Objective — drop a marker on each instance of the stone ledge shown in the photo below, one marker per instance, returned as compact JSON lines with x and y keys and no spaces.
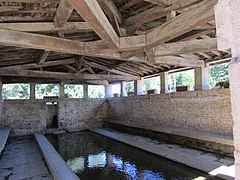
{"x":193,"y":158}
{"x":226,"y":140}
{"x":55,"y":163}
{"x":4,"y":133}
{"x":185,"y":94}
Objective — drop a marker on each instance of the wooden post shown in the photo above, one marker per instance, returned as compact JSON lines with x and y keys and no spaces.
{"x":228,"y":33}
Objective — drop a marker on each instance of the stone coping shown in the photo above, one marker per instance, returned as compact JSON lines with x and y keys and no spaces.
{"x":4,"y":133}
{"x":185,"y":94}
{"x":206,"y":136}
{"x":57,"y":166}
{"x":55,"y":100}
{"x":206,"y":162}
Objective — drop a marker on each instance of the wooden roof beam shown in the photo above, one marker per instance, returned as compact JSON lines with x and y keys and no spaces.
{"x":197,"y":15}
{"x":193,"y":46}
{"x":179,"y":61}
{"x":92,"y":13}
{"x":63,"y":12}
{"x":45,"y":64}
{"x":113,"y":13}
{"x":46,"y":27}
{"x":62,"y":76}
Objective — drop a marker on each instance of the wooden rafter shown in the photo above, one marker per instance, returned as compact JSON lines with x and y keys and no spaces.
{"x":92,"y":13}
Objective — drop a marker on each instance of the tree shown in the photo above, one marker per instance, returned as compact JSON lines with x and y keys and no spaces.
{"x":218,"y":73}
{"x":16,"y":91}
{"x":96,"y":91}
{"x":73,"y":91}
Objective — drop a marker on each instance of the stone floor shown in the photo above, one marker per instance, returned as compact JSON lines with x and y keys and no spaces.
{"x":22,"y":159}
{"x":218,"y":166}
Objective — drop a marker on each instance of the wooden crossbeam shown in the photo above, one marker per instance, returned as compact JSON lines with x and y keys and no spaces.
{"x":49,"y":43}
{"x":155,"y":13}
{"x":99,"y":66}
{"x":62,"y":76}
{"x":160,"y":2}
{"x":63,"y":12}
{"x":113,"y":13}
{"x":92,"y":13}
{"x":46,"y":27}
{"x":129,"y":4}
{"x":43,"y":57}
{"x":46,"y":64}
{"x":197,"y":15}
{"x":194,"y":46}
{"x":179,"y":61}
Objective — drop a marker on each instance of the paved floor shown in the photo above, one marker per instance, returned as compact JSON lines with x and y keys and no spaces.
{"x":208,"y":162}
{"x":22,"y":159}
{"x":4,"y":132}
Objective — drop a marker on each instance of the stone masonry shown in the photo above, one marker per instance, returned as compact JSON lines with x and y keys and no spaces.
{"x":81,"y":113}
{"x":205,"y":111}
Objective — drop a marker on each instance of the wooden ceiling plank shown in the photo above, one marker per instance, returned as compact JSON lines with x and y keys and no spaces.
{"x":92,"y":13}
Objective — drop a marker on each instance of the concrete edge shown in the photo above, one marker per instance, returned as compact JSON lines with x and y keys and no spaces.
{"x":210,"y":137}
{"x":4,"y":133}
{"x":187,"y":161}
{"x":57,"y":166}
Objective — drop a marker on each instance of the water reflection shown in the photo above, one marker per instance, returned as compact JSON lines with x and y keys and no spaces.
{"x":95,"y":157}
{"x":99,"y":160}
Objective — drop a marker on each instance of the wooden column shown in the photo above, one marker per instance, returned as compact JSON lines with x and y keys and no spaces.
{"x":228,"y":33}
{"x":32,"y":90}
{"x":85,"y":91}
{"x":201,"y":78}
{"x":164,"y":82}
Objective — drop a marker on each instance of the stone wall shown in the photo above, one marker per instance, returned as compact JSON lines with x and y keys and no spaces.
{"x":81,"y":113}
{"x":24,"y":116}
{"x":29,"y":116}
{"x":205,"y":111}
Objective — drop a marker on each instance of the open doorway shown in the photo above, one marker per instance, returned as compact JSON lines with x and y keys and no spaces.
{"x":52,"y":115}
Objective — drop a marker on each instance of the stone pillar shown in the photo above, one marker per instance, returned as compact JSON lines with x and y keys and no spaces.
{"x":85,"y":91}
{"x":201,"y":75}
{"x":32,"y":90}
{"x":139,"y":87}
{"x":1,"y":101}
{"x":164,"y":82}
{"x":108,"y":91}
{"x":228,"y":34}
{"x":61,"y":91}
{"x":123,"y":89}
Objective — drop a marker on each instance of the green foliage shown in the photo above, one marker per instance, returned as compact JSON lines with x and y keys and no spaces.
{"x":73,"y":91}
{"x":46,"y":90}
{"x":16,"y":91}
{"x":95,"y":91}
{"x":184,"y":78}
{"x":152,"y":83}
{"x":130,"y":86}
{"x":218,"y":73}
